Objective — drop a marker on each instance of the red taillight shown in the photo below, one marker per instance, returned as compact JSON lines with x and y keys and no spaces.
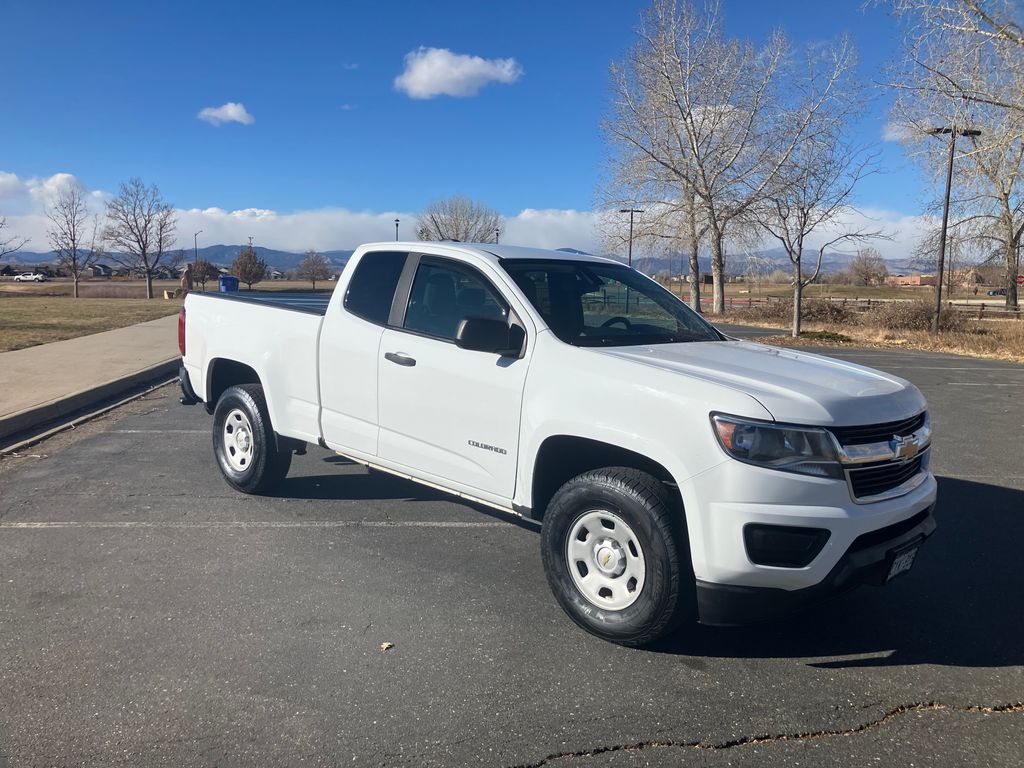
{"x":181,"y":331}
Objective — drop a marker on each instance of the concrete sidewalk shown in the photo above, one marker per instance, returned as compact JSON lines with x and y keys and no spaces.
{"x":44,"y":383}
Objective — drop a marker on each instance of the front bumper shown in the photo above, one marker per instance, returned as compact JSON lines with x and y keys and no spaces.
{"x":867,"y":561}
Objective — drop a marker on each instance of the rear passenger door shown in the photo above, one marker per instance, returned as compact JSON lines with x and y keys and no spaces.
{"x":445,"y":412}
{"x":349,"y":345}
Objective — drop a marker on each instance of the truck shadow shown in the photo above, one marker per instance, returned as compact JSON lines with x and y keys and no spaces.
{"x":960,"y":606}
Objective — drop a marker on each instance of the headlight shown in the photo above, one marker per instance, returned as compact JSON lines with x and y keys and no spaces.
{"x":805,"y":450}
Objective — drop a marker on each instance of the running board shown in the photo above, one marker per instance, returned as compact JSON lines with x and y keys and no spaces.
{"x":435,"y":486}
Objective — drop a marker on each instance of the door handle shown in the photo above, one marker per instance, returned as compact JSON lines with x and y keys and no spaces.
{"x":400,"y":357}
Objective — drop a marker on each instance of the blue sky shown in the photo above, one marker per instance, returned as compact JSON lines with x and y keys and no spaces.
{"x":105,"y":91}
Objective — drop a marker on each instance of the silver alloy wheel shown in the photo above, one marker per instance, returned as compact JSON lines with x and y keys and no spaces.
{"x":605,"y":560}
{"x":237,"y":437}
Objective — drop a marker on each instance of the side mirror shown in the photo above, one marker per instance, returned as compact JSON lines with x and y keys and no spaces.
{"x":487,"y":334}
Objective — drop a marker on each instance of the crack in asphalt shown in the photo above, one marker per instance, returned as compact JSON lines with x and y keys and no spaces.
{"x":929,"y":706}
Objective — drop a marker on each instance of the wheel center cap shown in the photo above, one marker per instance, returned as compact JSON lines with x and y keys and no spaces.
{"x":242,"y":439}
{"x":608,"y":558}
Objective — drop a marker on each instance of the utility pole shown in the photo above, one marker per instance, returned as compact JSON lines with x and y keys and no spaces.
{"x":953,"y":132}
{"x":396,"y":229}
{"x":630,"y":211}
{"x":195,"y":247}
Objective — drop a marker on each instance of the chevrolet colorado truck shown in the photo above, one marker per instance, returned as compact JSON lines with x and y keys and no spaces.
{"x":677,"y":474}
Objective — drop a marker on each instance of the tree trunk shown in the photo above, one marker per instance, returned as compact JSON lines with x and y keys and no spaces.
{"x":694,"y":281}
{"x":718,"y":273}
{"x":1012,"y":267}
{"x":76,"y":285}
{"x":694,"y":259}
{"x":798,"y":295}
{"x":149,"y":284}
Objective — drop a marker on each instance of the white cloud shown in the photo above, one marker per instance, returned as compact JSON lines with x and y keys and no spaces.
{"x":906,"y":231}
{"x":232,"y":112}
{"x":893,"y":131}
{"x":431,"y":72}
{"x":23,"y":202}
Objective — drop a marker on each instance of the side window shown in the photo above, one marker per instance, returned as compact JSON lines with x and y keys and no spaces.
{"x":442,"y":296}
{"x":372,"y":288}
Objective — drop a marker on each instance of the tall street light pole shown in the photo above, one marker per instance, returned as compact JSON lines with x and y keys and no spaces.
{"x":630,"y":211}
{"x":953,"y":132}
{"x":497,"y":231}
{"x":396,"y":229}
{"x":195,"y":246}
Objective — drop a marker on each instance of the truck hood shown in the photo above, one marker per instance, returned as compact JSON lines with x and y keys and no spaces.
{"x":795,"y":387}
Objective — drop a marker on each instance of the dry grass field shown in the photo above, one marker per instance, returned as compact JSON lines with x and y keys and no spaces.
{"x":995,"y":339}
{"x":29,"y":320}
{"x":38,"y":313}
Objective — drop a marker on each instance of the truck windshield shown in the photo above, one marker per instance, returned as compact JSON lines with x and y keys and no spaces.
{"x":592,"y":304}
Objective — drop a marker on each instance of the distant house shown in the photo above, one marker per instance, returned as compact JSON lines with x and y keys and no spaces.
{"x":276,"y":274}
{"x":910,"y":280}
{"x":8,"y":271}
{"x":99,"y":270}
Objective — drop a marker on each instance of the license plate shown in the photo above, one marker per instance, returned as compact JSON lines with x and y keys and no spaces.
{"x":902,"y":563}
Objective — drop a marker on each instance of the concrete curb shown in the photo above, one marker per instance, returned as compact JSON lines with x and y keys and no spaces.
{"x":62,"y":408}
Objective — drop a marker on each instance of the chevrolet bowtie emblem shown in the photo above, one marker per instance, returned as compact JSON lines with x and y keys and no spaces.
{"x":904,"y":447}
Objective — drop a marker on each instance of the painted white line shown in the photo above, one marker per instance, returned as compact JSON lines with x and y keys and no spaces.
{"x":231,"y":524}
{"x":982,"y":384}
{"x":158,"y":432}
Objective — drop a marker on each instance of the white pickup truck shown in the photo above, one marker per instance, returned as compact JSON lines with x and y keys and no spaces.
{"x":677,"y":474}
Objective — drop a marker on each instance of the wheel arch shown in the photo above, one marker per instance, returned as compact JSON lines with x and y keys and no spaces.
{"x":222,"y":373}
{"x":562,"y":457}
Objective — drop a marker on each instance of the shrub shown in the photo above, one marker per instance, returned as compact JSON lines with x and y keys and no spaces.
{"x":812,"y":310}
{"x":824,"y":311}
{"x":913,"y":316}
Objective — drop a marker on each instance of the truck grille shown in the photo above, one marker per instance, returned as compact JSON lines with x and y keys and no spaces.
{"x":880,"y":478}
{"x":878,"y":433}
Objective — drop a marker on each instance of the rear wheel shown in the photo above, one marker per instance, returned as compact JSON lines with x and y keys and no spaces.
{"x":244,"y":442}
{"x":616,"y":557}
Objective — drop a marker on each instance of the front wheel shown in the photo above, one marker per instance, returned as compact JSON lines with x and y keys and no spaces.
{"x":616,"y":558}
{"x":244,"y":442}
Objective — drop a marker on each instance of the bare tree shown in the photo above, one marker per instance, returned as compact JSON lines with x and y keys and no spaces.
{"x":942,"y":35}
{"x":459,"y":218}
{"x":141,"y":225}
{"x":203,"y":271}
{"x":11,"y":244}
{"x":814,"y":188}
{"x":868,"y":267}
{"x":697,"y":113}
{"x":313,"y":267}
{"x":248,"y":267}
{"x":67,"y":233}
{"x":965,"y":69}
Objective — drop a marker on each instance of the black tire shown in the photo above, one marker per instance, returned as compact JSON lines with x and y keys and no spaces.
{"x":667,"y":596}
{"x":266,"y":467}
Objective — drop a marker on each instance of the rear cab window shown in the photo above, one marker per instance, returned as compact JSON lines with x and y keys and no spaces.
{"x":371,"y":290}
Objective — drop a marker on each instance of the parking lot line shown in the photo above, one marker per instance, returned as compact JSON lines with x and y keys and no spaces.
{"x":252,"y":524}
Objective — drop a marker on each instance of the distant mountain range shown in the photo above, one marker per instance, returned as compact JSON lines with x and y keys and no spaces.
{"x":768,"y":260}
{"x":221,"y":255}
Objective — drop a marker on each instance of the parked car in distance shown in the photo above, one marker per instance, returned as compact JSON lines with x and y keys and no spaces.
{"x":997,"y":292}
{"x":30,"y":277}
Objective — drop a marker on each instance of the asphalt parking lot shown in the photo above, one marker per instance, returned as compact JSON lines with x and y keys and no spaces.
{"x":149,"y":615}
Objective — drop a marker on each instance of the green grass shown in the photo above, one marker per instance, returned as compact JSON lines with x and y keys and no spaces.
{"x":26,"y":321}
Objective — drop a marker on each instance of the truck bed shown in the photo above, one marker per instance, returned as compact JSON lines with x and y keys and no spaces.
{"x":312,"y":303}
